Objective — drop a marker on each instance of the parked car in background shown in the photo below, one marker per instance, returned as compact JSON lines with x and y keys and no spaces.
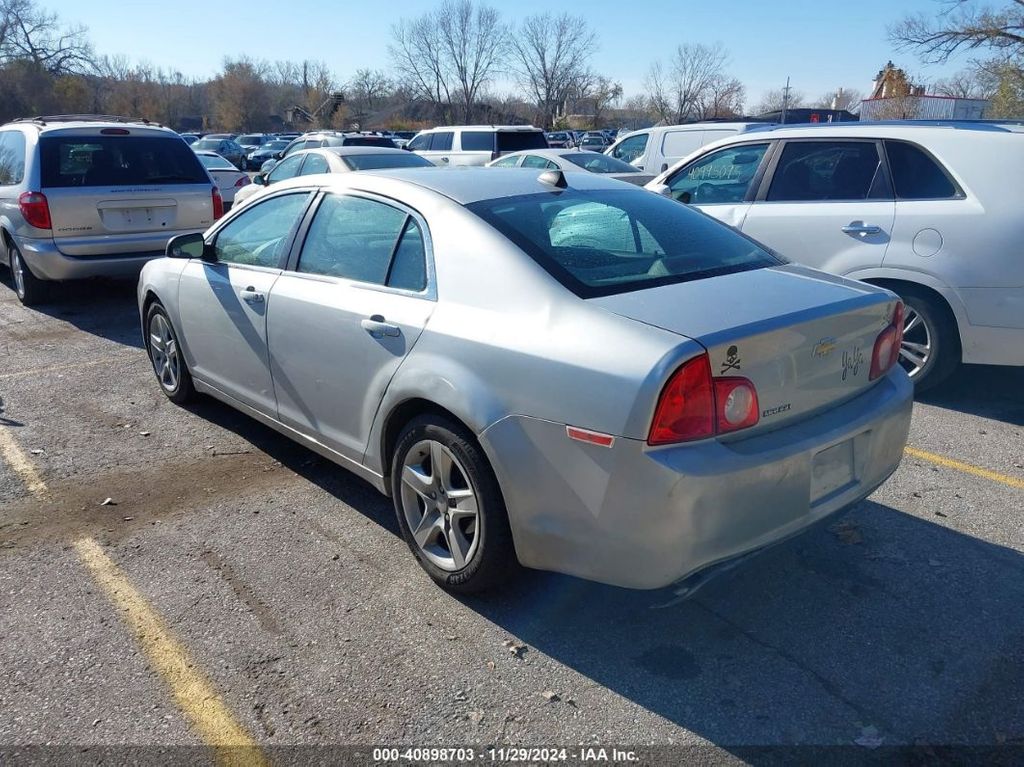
{"x":594,"y":141}
{"x":226,"y":148}
{"x":573,"y":160}
{"x":189,"y":138}
{"x":560,"y":140}
{"x":514,"y":358}
{"x":475,"y":144}
{"x":654,"y":150}
{"x":930,"y":212}
{"x":250,"y":142}
{"x":332,"y":160}
{"x":402,"y":137}
{"x":272,"y":150}
{"x":227,"y":136}
{"x":86,"y":196}
{"x":227,"y":177}
{"x":330,"y":138}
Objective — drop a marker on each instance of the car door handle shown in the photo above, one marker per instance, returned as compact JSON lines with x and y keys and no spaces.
{"x":378,"y":328}
{"x":251,"y":296}
{"x":444,"y":159}
{"x":859,"y":227}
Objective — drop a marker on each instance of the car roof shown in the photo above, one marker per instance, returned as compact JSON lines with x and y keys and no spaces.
{"x":907,"y":129}
{"x":343,"y":151}
{"x":464,"y":185}
{"x":482,"y":128}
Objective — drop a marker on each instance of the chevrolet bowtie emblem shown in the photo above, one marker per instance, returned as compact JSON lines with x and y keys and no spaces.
{"x":824,"y":347}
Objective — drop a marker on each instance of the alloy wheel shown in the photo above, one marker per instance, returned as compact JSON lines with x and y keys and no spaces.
{"x":916,"y":350}
{"x":440,"y":505}
{"x":163,"y":349}
{"x":18,"y":269}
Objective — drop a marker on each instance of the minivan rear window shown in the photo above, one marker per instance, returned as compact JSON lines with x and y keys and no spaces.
{"x":477,"y":141}
{"x":601,"y":242}
{"x":117,"y":161}
{"x":517,"y":141}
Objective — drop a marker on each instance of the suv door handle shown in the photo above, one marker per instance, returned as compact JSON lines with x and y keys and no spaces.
{"x":859,"y":227}
{"x":250,"y":296}
{"x":444,"y":159}
{"x":378,"y":328}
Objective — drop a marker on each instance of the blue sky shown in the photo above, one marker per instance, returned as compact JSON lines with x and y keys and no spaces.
{"x":821,"y":44}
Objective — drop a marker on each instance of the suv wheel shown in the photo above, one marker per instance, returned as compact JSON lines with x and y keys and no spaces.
{"x":931,"y":344}
{"x":30,"y":289}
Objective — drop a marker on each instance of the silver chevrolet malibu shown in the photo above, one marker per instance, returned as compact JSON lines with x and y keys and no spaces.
{"x":556,"y":370}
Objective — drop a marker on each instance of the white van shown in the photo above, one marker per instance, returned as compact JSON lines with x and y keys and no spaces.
{"x":656,"y":149}
{"x":475,"y":144}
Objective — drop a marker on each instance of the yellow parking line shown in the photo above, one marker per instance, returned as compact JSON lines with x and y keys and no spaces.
{"x":20,"y":463}
{"x":967,"y":468}
{"x":194,"y":694}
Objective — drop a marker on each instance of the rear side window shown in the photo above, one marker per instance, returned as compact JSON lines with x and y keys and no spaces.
{"x":117,"y":161}
{"x":916,"y":176}
{"x":12,"y":157}
{"x":602,"y":242}
{"x":477,"y":141}
{"x":441,"y":142}
{"x":315,"y":163}
{"x":630,"y":148}
{"x":517,"y":141}
{"x":815,"y":171}
{"x":366,"y":241}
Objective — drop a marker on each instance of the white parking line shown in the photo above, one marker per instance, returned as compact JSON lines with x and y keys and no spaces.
{"x":16,"y":458}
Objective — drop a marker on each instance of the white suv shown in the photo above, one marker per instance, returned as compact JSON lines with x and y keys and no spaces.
{"x":475,"y":144}
{"x":85,"y":196}
{"x":932,"y":212}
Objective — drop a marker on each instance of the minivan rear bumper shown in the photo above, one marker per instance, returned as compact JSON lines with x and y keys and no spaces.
{"x":46,"y":261}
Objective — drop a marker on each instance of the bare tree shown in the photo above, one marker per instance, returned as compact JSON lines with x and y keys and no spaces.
{"x":965,"y":84}
{"x":241,"y":95}
{"x":774,"y":100}
{"x":842,"y":98}
{"x":963,"y":25}
{"x":694,"y":84}
{"x":598,"y":91}
{"x":29,"y":33}
{"x":368,"y":87}
{"x":549,"y":55}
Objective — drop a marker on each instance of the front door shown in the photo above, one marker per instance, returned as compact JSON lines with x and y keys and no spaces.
{"x":828,"y":205}
{"x":223,"y":303}
{"x":345,"y":316}
{"x":721,"y":183}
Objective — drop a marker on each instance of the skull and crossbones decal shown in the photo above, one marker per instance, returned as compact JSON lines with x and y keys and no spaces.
{"x":732,"y":360}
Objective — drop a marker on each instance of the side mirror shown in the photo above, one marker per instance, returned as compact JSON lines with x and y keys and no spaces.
{"x":663,"y":189}
{"x":189,"y":245}
{"x":259,"y":179}
{"x":278,"y":155}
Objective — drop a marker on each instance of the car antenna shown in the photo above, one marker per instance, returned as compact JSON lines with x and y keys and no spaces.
{"x":554,"y":178}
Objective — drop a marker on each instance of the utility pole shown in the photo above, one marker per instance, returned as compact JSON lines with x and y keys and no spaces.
{"x":785,"y":101}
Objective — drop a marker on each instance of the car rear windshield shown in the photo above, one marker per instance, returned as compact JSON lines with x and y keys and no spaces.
{"x":372,"y":161}
{"x":597,"y":243}
{"x":598,"y":163}
{"x":381,"y":141}
{"x":118,"y":160}
{"x":517,"y":141}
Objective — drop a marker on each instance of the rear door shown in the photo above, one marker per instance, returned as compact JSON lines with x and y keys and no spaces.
{"x":346,"y":314}
{"x":475,"y":147}
{"x":826,"y":203}
{"x":722,"y":183}
{"x":122,"y":190}
{"x":437,"y":147}
{"x":223,"y":304}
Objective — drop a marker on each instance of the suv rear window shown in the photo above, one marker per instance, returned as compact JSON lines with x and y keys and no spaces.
{"x":917,"y":176}
{"x":598,"y":243}
{"x":118,"y":160}
{"x":477,"y":141}
{"x":517,"y":141}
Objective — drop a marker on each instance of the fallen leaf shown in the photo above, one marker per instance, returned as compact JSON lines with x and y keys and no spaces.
{"x":869,"y":738}
{"x":551,"y":697}
{"x":144,"y":433}
{"x":476,"y":716}
{"x":451,"y":638}
{"x":847,"y":532}
{"x":37,"y":451}
{"x":515,"y":648}
{"x":490,"y":665}
{"x":108,"y":502}
{"x":128,"y":519}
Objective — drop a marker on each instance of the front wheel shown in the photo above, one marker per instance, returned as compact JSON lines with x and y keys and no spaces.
{"x":165,"y":354}
{"x":450,"y":508}
{"x":30,"y":289}
{"x":931,"y":344}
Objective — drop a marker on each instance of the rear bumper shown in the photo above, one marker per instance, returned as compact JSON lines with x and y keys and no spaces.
{"x":47,"y":262}
{"x":645,"y":518}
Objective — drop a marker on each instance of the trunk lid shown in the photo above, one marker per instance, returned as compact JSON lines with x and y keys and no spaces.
{"x":804,"y":338}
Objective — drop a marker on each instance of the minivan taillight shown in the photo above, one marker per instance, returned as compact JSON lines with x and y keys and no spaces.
{"x":218,"y":204}
{"x":887,"y":345}
{"x":693,"y":405}
{"x":35,"y":209}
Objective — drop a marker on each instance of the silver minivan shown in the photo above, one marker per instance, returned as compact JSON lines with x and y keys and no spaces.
{"x":84,"y":196}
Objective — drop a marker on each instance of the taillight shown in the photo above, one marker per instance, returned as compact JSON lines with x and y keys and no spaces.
{"x":242,"y":181}
{"x":218,"y":204}
{"x":686,"y":409}
{"x":736,"y":401}
{"x":887,"y":345}
{"x":693,"y":405}
{"x":35,"y":209}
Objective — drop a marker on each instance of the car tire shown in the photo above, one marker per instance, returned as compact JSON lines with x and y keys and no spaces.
{"x":458,"y":505}
{"x":930,"y":333}
{"x":166,"y":357}
{"x":30,"y":290}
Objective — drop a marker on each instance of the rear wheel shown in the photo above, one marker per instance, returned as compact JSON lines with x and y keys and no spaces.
{"x":450,"y":508}
{"x":30,"y":289}
{"x":931,"y":344}
{"x":165,"y":354}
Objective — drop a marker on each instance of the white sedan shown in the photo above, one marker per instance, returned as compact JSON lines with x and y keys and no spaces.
{"x":573,"y":159}
{"x":226,"y":176}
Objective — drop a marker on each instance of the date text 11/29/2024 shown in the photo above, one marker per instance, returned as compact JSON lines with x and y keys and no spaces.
{"x":504,"y":754}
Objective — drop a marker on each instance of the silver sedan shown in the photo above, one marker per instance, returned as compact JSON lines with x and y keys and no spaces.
{"x":574,"y":160}
{"x":555,"y":370}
